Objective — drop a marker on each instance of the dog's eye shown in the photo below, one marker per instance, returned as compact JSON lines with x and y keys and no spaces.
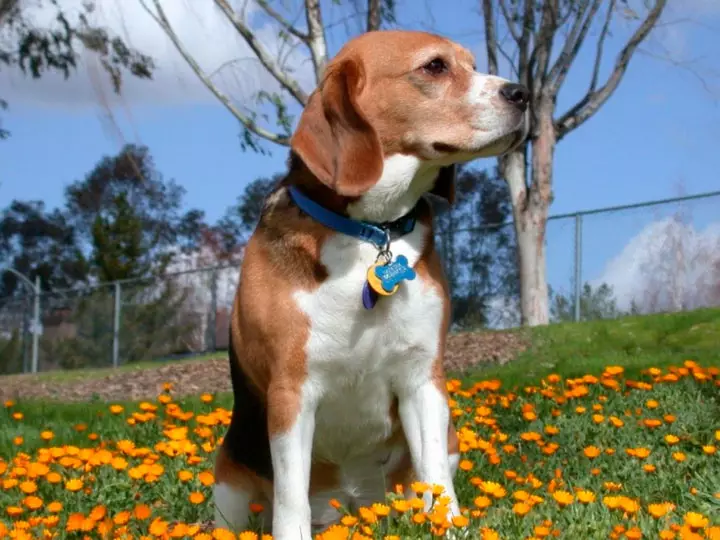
{"x":436,"y":66}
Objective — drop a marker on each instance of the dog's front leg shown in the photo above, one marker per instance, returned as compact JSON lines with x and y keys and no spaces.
{"x":291,"y":419}
{"x":425,"y":417}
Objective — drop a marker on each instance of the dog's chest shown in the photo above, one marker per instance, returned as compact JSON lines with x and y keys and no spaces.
{"x":359,"y":359}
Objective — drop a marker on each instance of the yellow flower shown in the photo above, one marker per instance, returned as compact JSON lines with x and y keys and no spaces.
{"x":679,"y":456}
{"x":695,"y":520}
{"x":521,"y":508}
{"x":460,"y":521}
{"x":671,"y":439}
{"x":419,"y":487}
{"x":116,"y":409}
{"x":658,"y":510}
{"x":585,"y":496}
{"x":47,"y":435}
{"x":563,"y":498}
{"x":494,"y":489}
{"x":401,"y":505}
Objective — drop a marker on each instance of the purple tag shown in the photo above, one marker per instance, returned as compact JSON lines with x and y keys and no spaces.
{"x":369,"y":296}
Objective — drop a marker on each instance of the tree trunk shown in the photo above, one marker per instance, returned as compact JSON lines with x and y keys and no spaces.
{"x":529,"y":218}
{"x":530,"y":212}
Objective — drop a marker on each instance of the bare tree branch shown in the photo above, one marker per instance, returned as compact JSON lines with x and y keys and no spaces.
{"x":508,"y":21}
{"x":593,"y":100}
{"x":544,"y":42}
{"x":287,"y":25}
{"x":316,"y":33}
{"x":510,"y":59}
{"x":601,"y":46}
{"x":373,"y":15}
{"x":490,"y":37}
{"x":524,"y":64}
{"x":685,"y":65}
{"x":248,"y":122}
{"x":263,"y":55}
{"x":572,"y":46}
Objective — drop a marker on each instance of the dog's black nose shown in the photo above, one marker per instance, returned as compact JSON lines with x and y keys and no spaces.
{"x":516,"y":94}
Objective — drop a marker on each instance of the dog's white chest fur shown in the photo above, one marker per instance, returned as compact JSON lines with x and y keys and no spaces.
{"x":357,"y":359}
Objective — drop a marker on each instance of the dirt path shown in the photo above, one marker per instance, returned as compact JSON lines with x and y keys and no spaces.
{"x":212,"y":375}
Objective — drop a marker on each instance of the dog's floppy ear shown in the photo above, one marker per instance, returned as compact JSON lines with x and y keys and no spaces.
{"x":334,"y":138}
{"x":445,"y":183}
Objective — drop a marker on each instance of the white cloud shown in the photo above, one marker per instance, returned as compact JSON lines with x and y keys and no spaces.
{"x":667,"y":266}
{"x":203,"y":30}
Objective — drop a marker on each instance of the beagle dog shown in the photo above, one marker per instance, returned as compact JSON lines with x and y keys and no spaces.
{"x":338,"y":326}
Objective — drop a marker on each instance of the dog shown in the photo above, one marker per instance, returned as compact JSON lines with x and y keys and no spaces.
{"x":338,"y":326}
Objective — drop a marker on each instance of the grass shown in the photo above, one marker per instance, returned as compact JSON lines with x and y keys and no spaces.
{"x":601,"y":430}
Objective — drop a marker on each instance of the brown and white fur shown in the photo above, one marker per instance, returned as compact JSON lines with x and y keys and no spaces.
{"x":332,"y":400}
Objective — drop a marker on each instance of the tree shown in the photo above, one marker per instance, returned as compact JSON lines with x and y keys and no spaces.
{"x":38,"y":50}
{"x":311,"y":38}
{"x":536,"y":27}
{"x":477,"y":249}
{"x":595,"y":304}
{"x":130,"y":216}
{"x":38,"y":242}
{"x":241,"y":218}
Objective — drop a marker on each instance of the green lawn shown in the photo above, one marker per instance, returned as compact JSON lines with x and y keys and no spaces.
{"x":554,"y":444}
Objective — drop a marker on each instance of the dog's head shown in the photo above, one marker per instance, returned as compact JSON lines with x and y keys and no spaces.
{"x":393,"y":114}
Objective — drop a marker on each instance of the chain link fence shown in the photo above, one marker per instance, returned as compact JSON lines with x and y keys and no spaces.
{"x":660,"y":256}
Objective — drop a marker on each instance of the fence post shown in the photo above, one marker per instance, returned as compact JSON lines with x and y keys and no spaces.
{"x":116,"y":325}
{"x":210,"y":335}
{"x":578,"y":265}
{"x":36,"y":326}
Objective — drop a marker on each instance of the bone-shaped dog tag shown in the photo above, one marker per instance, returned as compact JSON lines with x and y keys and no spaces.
{"x":375,"y":282}
{"x":390,"y":275}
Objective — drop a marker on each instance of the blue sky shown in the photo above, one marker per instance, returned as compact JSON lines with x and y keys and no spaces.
{"x":656,"y":137}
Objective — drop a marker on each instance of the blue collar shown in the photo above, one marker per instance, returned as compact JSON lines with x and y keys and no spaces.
{"x":379,"y":235}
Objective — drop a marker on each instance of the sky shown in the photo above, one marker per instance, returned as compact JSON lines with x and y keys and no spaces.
{"x":655,"y":138}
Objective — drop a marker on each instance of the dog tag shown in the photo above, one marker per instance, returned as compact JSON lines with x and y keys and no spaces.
{"x":375,"y":281}
{"x":369,"y":296}
{"x":390,"y":275}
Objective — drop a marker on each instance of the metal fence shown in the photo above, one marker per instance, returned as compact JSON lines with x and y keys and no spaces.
{"x":652,"y":257}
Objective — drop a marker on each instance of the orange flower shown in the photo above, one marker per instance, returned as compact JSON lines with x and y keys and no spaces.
{"x":28,"y":487}
{"x":74,"y":484}
{"x":196,"y":497}
{"x":592,"y":452}
{"x":158,"y":527}
{"x":206,"y":478}
{"x":32,"y":502}
{"x":142,"y":512}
